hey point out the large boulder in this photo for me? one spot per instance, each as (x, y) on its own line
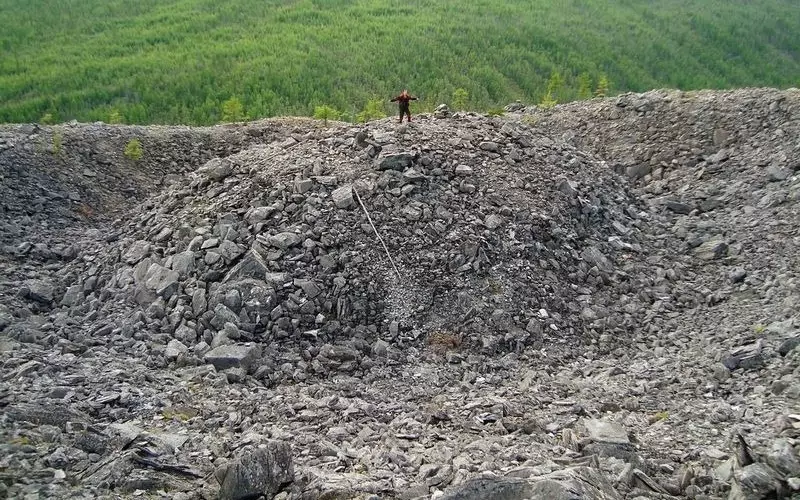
(256, 473)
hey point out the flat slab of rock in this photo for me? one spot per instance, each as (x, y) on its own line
(712, 249)
(233, 356)
(602, 431)
(398, 161)
(579, 483)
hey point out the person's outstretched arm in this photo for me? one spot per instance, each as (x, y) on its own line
(412, 98)
(393, 99)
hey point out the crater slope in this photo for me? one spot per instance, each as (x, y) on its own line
(597, 298)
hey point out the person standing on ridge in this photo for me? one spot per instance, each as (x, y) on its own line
(403, 101)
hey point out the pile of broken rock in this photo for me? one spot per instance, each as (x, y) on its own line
(594, 301)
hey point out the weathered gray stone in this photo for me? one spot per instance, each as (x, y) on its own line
(712, 249)
(229, 250)
(258, 214)
(183, 263)
(285, 240)
(257, 472)
(199, 302)
(216, 169)
(41, 291)
(303, 185)
(136, 252)
(493, 221)
(175, 348)
(603, 431)
(72, 296)
(309, 287)
(594, 256)
(230, 356)
(222, 315)
(252, 265)
(579, 483)
(343, 196)
(679, 207)
(397, 161)
(162, 281)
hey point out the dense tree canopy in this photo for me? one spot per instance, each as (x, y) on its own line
(180, 61)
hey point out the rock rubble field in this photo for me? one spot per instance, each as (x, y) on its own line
(596, 301)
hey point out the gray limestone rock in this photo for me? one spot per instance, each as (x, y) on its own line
(183, 263)
(712, 249)
(594, 256)
(285, 240)
(41, 291)
(343, 197)
(603, 431)
(222, 315)
(243, 356)
(257, 472)
(216, 169)
(164, 282)
(137, 251)
(397, 161)
(580, 483)
(252, 265)
(175, 348)
(73, 296)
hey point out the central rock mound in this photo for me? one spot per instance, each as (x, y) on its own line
(351, 242)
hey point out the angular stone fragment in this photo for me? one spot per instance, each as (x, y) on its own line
(578, 483)
(602, 431)
(216, 169)
(183, 263)
(39, 290)
(257, 472)
(252, 265)
(712, 249)
(136, 252)
(594, 256)
(285, 240)
(398, 161)
(343, 196)
(175, 348)
(162, 281)
(73, 296)
(233, 356)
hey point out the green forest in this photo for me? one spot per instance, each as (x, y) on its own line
(207, 61)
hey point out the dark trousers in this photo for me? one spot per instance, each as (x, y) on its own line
(404, 110)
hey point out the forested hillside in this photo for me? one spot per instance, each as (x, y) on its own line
(202, 61)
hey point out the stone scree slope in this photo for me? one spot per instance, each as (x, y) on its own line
(589, 302)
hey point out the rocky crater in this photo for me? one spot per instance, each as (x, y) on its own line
(594, 301)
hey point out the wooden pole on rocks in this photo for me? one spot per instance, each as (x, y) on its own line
(385, 248)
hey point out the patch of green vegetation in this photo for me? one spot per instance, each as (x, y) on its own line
(460, 98)
(58, 142)
(326, 113)
(180, 61)
(374, 110)
(233, 110)
(133, 150)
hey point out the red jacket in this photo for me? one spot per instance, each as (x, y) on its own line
(404, 98)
